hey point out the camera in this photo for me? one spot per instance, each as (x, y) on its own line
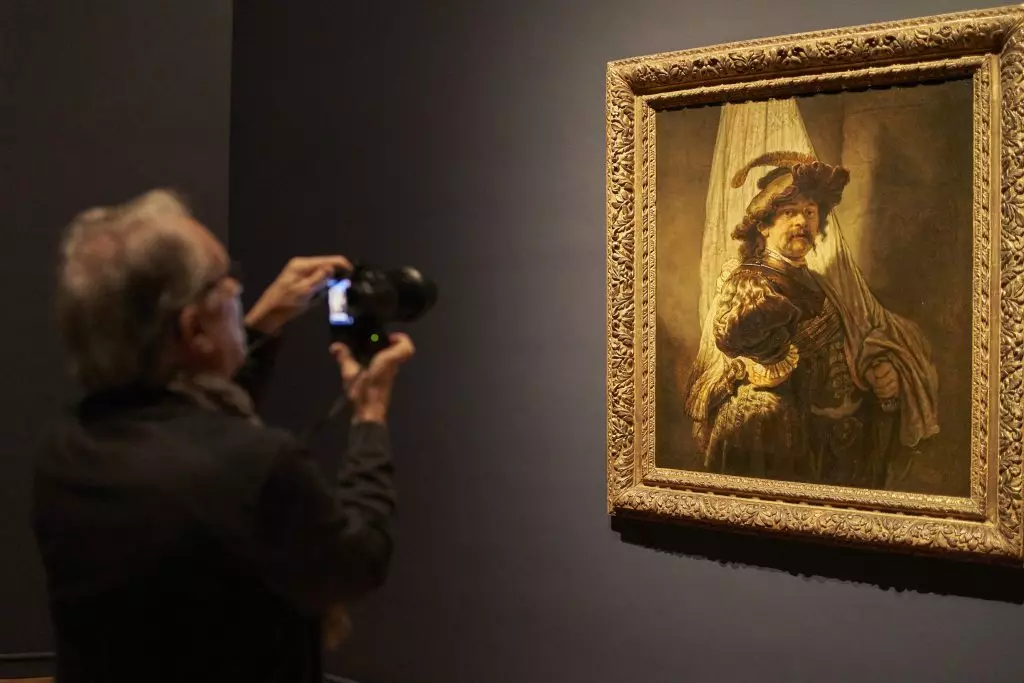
(363, 302)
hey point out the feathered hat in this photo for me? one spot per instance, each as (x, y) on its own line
(819, 182)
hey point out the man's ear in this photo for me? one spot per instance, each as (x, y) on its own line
(192, 333)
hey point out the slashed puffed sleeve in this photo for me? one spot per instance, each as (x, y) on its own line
(752, 320)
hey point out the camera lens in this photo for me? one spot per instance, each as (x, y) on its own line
(372, 296)
(416, 294)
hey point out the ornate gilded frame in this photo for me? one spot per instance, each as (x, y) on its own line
(989, 46)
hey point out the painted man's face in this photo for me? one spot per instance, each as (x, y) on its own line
(794, 231)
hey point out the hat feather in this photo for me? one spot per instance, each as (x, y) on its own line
(779, 159)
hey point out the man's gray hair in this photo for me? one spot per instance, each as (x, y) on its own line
(125, 273)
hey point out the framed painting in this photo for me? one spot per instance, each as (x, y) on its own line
(815, 285)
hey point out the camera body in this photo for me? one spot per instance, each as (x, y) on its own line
(364, 302)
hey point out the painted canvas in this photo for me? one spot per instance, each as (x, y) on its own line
(814, 288)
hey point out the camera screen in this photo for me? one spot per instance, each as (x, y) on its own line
(337, 302)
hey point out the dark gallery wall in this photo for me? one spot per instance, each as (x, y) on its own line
(99, 101)
(468, 139)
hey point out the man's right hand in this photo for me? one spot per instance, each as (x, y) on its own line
(369, 389)
(291, 292)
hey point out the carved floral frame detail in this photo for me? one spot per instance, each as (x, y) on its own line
(987, 46)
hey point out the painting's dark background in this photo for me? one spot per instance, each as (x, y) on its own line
(467, 139)
(906, 216)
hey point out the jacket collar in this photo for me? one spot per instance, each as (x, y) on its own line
(208, 392)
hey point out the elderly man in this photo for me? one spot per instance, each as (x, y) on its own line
(182, 539)
(793, 385)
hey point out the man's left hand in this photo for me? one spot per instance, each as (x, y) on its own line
(291, 292)
(883, 379)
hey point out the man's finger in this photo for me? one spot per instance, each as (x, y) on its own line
(350, 368)
(399, 351)
(338, 262)
(889, 388)
(315, 280)
(401, 346)
(303, 265)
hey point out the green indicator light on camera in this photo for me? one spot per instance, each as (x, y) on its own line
(375, 337)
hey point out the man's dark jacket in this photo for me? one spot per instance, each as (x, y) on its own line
(183, 543)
